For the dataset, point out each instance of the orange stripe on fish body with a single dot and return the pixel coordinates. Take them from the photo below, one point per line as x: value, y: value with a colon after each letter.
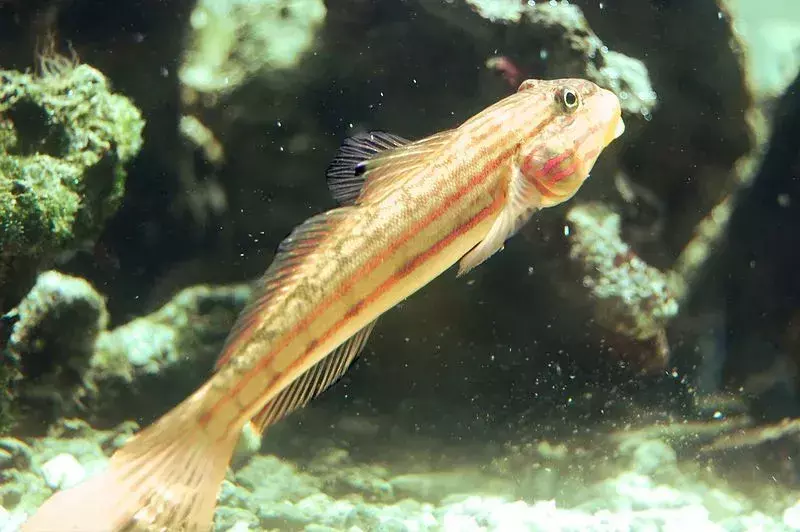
x: 410, y: 210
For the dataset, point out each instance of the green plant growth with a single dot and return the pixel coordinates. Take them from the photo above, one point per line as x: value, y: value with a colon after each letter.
x: 64, y: 142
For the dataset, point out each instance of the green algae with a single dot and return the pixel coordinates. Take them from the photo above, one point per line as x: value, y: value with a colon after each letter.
x: 64, y: 142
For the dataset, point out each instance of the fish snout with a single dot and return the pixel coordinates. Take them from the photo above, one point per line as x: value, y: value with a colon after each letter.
x: 616, y: 126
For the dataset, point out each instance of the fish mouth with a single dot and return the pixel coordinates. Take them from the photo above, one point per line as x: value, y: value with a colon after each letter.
x: 620, y: 129
x: 615, y: 130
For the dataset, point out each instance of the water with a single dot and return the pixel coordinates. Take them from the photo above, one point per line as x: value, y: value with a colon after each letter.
x: 627, y: 362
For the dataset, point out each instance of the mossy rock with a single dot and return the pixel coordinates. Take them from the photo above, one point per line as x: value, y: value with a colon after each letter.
x: 64, y: 142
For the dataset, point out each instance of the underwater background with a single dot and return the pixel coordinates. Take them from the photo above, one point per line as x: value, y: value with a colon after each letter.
x: 628, y: 362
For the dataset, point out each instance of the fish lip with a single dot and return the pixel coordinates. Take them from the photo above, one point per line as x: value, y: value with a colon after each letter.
x: 620, y: 129
x: 615, y: 129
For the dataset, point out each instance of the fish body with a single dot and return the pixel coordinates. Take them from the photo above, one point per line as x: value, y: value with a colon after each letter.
x: 409, y: 211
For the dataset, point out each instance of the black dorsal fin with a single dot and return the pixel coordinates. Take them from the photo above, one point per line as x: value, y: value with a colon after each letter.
x: 369, y: 165
x: 314, y: 381
x: 347, y: 172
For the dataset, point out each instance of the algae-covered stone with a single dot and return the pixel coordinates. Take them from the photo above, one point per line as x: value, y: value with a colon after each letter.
x: 60, y: 318
x: 51, y: 343
x: 64, y: 142
x: 177, y: 344
x: 65, y: 362
x: 232, y: 40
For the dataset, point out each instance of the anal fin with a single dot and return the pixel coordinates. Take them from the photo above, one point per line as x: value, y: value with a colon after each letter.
x: 314, y: 381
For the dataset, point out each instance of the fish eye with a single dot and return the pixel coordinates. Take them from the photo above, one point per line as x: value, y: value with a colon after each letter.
x: 569, y: 99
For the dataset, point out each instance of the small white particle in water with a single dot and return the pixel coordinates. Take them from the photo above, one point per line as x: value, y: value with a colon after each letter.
x: 281, y: 148
x: 717, y: 415
x: 602, y: 6
x: 530, y: 270
x: 720, y: 15
x: 566, y: 230
x: 350, y: 124
x: 784, y: 200
x: 414, y: 81
x: 543, y: 54
x: 279, y: 123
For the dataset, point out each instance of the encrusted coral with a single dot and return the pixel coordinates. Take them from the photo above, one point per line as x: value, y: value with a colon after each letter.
x: 232, y: 40
x: 52, y: 339
x: 631, y: 297
x: 64, y: 142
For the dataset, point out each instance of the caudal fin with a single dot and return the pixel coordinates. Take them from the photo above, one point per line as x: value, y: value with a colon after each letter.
x: 166, y: 478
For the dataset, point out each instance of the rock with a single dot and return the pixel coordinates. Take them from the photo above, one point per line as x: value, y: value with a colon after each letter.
x: 285, y: 482
x: 11, y: 521
x: 15, y: 453
x: 162, y: 357
x: 630, y: 296
x: 53, y: 339
x: 62, y: 472
x: 722, y: 505
x: 240, y: 526
x: 65, y: 140
x: 368, y: 481
x: 438, y: 485
x: 655, y: 459
x: 233, y: 41
x: 791, y: 517
x: 70, y: 363
x: 392, y: 525
x: 230, y: 519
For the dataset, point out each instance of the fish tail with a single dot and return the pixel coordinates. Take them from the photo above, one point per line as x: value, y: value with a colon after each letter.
x: 166, y: 478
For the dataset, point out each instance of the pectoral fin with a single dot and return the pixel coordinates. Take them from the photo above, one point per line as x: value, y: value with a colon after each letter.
x: 522, y: 200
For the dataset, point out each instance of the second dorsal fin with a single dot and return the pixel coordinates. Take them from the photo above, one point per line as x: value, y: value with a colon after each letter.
x: 290, y: 262
x: 370, y: 162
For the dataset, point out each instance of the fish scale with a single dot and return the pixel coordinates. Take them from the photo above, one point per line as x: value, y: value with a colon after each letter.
x: 409, y: 211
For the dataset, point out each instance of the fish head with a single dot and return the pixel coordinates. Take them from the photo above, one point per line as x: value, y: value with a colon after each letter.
x: 576, y: 119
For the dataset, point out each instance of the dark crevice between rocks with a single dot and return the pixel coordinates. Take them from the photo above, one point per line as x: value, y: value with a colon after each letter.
x: 36, y: 133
